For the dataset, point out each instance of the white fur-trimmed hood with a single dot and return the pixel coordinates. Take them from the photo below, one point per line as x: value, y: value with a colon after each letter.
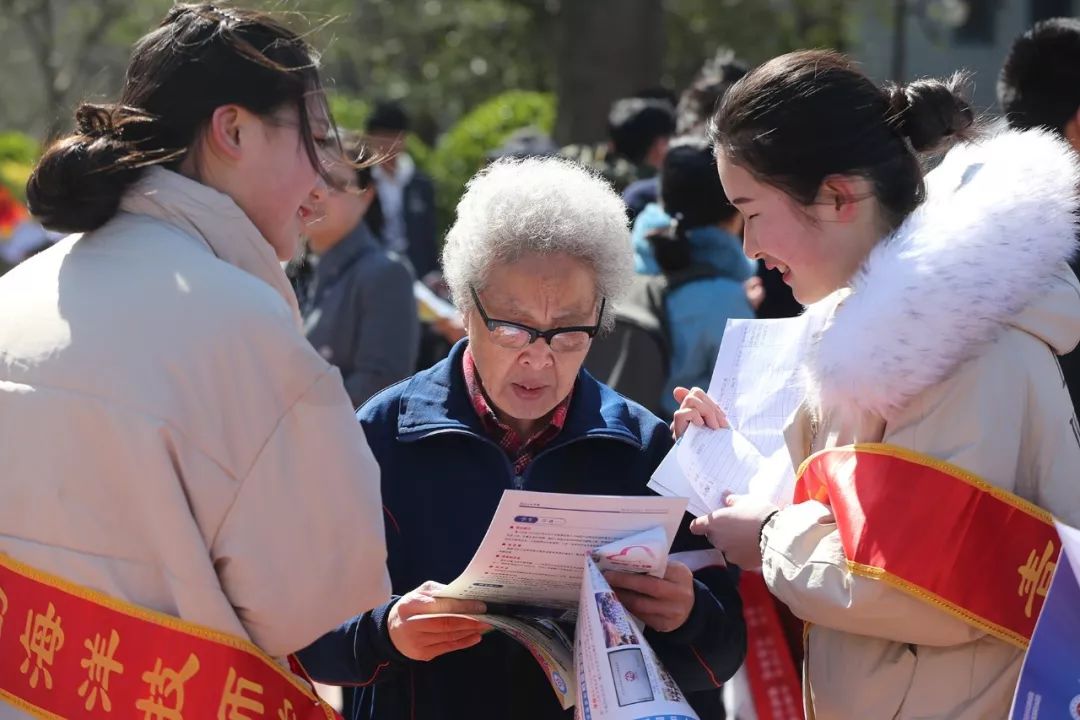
x: 999, y: 219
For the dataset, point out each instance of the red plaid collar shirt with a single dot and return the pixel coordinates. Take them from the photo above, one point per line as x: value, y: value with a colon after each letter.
x: 521, y: 451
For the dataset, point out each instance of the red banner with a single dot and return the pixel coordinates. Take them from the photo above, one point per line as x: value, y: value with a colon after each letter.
x: 939, y: 533
x: 67, y: 652
x: 774, y: 682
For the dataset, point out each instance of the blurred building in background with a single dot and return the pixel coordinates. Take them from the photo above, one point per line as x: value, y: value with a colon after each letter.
x: 906, y: 39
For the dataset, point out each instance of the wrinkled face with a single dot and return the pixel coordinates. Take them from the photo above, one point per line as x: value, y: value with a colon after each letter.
x: 338, y: 209
x: 795, y: 239
x: 282, y: 178
x: 544, y: 292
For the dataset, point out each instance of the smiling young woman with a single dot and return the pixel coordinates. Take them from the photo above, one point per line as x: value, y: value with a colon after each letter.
x: 944, y: 300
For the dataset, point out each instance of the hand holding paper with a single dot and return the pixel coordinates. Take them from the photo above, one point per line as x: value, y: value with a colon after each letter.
x: 436, y: 636
x: 735, y: 528
x: 696, y: 408
x: 664, y: 603
x: 545, y: 551
x: 732, y: 438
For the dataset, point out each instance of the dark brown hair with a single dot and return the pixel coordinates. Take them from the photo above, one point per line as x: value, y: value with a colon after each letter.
x: 806, y: 115
x: 363, y: 159
x: 199, y: 58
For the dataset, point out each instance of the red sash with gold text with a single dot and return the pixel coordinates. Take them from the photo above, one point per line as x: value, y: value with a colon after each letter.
x: 71, y: 652
x: 939, y: 533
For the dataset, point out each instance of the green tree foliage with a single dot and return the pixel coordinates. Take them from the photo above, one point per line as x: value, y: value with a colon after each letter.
x: 754, y: 29
x: 18, y: 152
x: 451, y: 63
x: 463, y: 150
x: 440, y: 57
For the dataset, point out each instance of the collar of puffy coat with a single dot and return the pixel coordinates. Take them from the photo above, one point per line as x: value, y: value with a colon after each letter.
x: 214, y: 218
x: 437, y: 400
x: 987, y: 250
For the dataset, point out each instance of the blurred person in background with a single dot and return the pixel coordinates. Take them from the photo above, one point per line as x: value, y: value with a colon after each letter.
x: 174, y: 450
x: 639, y: 129
x: 356, y: 298
x: 406, y: 195
x: 1039, y: 87
x: 695, y: 107
x: 692, y: 239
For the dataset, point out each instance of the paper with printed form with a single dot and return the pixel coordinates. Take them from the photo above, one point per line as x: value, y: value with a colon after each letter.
x: 535, y: 548
x: 757, y: 382
x: 547, y: 551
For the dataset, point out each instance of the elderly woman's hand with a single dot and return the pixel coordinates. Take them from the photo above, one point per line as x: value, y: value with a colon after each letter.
x: 696, y: 408
x: 429, y: 638
x: 735, y: 529
x: 664, y: 603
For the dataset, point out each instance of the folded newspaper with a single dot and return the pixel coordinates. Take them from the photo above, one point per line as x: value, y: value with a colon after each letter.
x: 539, y: 570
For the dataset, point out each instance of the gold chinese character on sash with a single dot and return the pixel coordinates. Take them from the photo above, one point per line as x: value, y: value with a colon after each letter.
x: 1035, y: 575
x: 239, y: 697
x: 99, y: 666
x: 3, y: 609
x: 287, y: 712
x: 166, y: 700
x: 41, y: 640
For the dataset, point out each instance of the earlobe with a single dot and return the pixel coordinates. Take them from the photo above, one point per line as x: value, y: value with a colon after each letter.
x: 838, y: 194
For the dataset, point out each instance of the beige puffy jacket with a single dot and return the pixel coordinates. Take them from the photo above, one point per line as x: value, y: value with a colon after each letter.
x: 945, y: 345
x: 170, y: 438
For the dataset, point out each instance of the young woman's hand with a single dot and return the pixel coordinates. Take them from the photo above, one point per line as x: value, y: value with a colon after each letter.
x: 428, y: 639
x: 696, y: 408
x: 755, y: 292
x: 735, y: 529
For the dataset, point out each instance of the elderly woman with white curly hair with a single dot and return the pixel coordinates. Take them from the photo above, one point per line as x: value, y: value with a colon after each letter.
x: 538, y: 253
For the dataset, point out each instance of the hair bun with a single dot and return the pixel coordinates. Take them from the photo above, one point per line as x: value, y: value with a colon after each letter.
x: 930, y: 113
x: 77, y: 184
x: 96, y: 120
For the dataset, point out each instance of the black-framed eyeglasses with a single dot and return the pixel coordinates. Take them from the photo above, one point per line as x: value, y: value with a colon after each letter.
x: 516, y: 336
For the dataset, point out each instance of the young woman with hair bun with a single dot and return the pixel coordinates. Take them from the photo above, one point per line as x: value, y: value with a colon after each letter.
x: 172, y: 445
x: 936, y: 437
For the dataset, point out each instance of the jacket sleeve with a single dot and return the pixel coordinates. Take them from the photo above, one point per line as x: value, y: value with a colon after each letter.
x: 710, y: 646
x: 388, y: 336
x: 357, y: 653
x: 973, y: 420
x: 302, y: 547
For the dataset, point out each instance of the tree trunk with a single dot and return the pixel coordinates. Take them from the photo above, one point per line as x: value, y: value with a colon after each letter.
x: 606, y: 50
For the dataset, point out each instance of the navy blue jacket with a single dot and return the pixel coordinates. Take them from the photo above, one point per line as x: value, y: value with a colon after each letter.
x: 421, y: 224
x: 442, y: 478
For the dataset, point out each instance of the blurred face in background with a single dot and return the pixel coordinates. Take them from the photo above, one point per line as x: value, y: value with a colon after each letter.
x: 385, y: 144
x: 336, y: 211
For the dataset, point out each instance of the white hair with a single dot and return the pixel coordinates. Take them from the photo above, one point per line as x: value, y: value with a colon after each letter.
x: 518, y: 207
